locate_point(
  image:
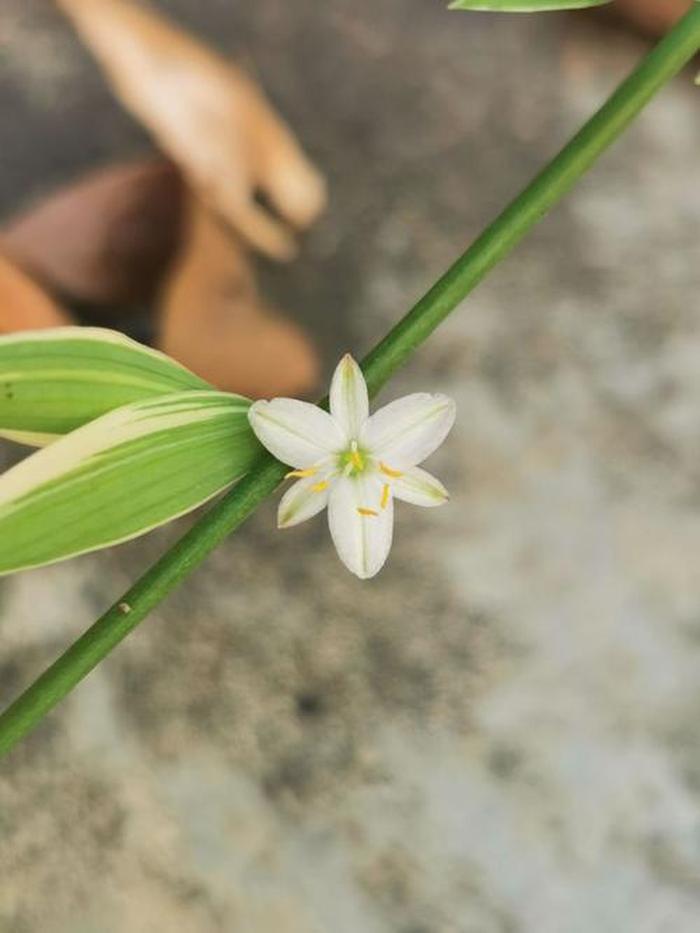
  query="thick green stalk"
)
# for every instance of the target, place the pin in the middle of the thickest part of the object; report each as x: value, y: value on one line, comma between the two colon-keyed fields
x: 669, y: 56
x: 661, y: 64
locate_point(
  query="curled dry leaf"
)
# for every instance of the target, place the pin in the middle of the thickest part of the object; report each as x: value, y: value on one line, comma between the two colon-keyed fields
x: 107, y: 238
x: 23, y: 304
x: 653, y: 17
x: 208, y: 117
x: 213, y: 321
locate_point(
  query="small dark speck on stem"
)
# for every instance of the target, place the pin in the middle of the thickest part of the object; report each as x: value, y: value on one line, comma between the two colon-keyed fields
x: 310, y: 704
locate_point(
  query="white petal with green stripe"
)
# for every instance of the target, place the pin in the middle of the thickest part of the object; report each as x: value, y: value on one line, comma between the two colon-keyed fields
x: 53, y: 381
x: 122, y: 475
x: 524, y: 6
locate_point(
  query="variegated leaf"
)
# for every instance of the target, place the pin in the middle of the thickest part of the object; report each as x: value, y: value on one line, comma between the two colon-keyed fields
x: 122, y: 475
x: 524, y: 6
x: 53, y: 381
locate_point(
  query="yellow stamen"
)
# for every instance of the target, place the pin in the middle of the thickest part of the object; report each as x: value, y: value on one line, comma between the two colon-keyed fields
x: 356, y: 460
x: 385, y: 495
x: 367, y: 511
x: 394, y: 474
x: 319, y: 487
x: 303, y: 474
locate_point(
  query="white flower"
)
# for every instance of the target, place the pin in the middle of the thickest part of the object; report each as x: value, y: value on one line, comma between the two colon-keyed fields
x: 353, y: 463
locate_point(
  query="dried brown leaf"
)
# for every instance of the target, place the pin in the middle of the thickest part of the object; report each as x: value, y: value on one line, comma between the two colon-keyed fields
x: 213, y: 321
x: 107, y: 238
x: 208, y: 117
x: 23, y: 305
x: 653, y: 17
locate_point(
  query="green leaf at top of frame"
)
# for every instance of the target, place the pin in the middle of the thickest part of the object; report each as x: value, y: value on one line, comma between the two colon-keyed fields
x: 121, y: 475
x: 53, y: 381
x: 524, y: 6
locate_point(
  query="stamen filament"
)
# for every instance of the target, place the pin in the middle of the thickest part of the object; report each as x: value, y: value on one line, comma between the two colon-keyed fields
x: 302, y: 474
x: 385, y: 495
x: 394, y: 474
x: 364, y: 511
x: 356, y: 459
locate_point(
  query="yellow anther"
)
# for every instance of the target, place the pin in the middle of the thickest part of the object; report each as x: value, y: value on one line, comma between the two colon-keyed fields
x: 385, y: 495
x: 394, y: 474
x: 302, y: 474
x: 356, y: 460
x: 367, y: 511
x: 319, y: 487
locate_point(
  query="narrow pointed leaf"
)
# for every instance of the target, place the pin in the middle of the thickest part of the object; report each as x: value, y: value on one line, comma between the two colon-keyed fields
x: 524, y: 6
x: 30, y: 438
x: 122, y: 475
x: 53, y: 381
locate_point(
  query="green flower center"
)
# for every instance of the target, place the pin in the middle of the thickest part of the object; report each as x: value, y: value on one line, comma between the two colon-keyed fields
x: 354, y: 460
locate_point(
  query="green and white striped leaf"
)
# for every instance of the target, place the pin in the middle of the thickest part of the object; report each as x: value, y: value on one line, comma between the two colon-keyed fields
x: 524, y: 6
x: 122, y: 475
x: 53, y: 381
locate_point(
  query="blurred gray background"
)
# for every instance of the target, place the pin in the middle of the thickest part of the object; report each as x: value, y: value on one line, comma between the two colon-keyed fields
x: 499, y: 734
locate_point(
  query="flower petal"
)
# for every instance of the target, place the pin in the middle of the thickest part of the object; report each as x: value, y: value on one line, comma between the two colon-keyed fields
x: 304, y: 499
x: 406, y: 431
x: 297, y: 433
x: 419, y: 488
x: 348, y: 396
x: 363, y: 541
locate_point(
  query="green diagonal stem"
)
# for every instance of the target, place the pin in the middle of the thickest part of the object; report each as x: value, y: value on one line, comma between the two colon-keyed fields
x: 661, y: 64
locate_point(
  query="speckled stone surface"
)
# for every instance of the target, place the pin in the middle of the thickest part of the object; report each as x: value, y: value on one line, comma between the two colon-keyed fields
x: 500, y: 733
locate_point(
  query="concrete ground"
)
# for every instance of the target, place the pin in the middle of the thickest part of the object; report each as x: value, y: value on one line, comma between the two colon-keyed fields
x: 499, y: 734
